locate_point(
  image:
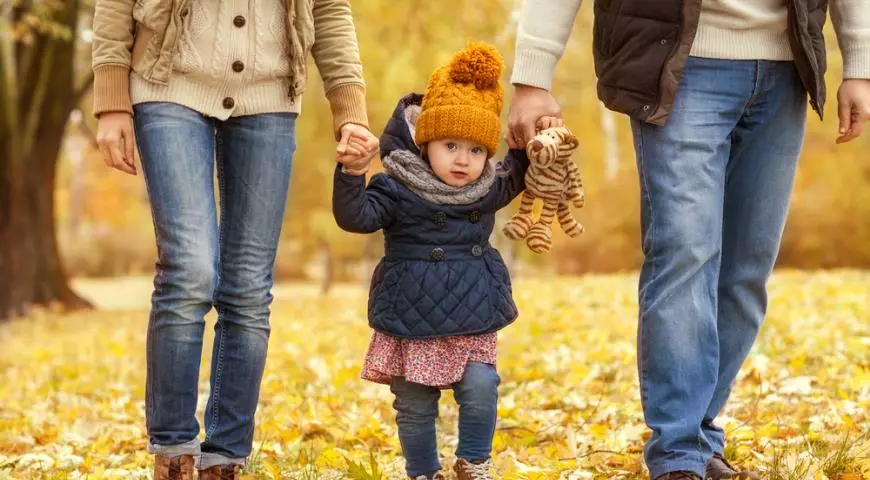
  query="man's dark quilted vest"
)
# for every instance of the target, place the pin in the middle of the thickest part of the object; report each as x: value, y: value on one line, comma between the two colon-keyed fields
x: 641, y: 47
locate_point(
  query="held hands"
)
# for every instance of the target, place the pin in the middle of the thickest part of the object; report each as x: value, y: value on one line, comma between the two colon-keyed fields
x: 854, y: 108
x: 356, y: 149
x: 116, y: 140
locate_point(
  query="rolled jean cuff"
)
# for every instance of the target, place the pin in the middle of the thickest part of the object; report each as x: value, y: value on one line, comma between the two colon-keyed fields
x: 208, y: 460
x: 187, y: 448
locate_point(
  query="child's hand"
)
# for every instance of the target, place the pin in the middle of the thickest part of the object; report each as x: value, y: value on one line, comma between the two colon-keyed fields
x: 546, y: 122
x: 356, y: 164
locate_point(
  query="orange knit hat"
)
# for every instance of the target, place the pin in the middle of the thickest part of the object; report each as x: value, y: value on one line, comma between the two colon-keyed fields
x: 464, y: 99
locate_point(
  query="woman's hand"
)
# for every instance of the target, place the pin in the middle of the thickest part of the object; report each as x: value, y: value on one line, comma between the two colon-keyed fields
x: 117, y: 141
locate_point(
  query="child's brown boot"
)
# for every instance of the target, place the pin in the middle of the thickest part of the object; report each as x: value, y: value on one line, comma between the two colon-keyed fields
x: 466, y: 470
x: 437, y: 476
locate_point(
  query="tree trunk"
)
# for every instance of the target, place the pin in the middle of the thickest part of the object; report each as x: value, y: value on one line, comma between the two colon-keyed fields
x: 50, y: 282
x: 16, y: 272
x: 31, y: 136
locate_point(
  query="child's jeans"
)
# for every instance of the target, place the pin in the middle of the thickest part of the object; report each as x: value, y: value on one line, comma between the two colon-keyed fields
x: 417, y: 408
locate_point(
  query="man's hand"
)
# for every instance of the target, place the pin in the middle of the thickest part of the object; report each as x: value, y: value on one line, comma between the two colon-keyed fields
x: 544, y: 123
x: 528, y: 105
x: 853, y: 100
x: 116, y: 140
x: 356, y: 149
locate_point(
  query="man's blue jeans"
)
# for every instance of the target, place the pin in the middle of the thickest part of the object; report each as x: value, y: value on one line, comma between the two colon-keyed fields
x: 206, y: 262
x: 417, y: 408
x: 715, y: 188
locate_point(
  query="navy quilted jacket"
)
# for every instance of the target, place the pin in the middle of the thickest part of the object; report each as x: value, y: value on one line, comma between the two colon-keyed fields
x: 439, y: 275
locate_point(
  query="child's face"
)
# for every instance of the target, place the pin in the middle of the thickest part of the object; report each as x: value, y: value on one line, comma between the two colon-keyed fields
x: 455, y: 161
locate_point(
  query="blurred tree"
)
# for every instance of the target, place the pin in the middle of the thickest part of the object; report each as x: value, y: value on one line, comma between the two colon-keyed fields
x: 38, y: 91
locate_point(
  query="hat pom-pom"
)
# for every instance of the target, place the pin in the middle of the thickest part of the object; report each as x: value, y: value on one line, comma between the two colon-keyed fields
x: 478, y: 63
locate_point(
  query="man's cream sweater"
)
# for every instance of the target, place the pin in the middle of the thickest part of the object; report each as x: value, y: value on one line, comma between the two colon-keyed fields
x: 728, y: 29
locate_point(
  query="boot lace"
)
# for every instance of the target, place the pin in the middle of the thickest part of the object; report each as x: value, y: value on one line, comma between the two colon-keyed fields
x: 478, y: 471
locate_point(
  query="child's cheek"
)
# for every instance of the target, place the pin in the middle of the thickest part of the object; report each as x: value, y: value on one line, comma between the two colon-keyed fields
x: 478, y: 170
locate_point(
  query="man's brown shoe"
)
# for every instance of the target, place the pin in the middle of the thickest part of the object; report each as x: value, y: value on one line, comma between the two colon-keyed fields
x: 681, y: 475
x: 719, y: 469
x: 221, y: 472
x: 173, y: 468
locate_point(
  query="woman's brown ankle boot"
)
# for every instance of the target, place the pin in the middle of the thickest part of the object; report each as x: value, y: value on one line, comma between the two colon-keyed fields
x: 173, y: 468
x: 221, y: 472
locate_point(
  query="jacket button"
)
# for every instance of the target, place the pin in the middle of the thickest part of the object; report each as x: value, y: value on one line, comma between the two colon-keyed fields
x: 238, y: 66
x: 437, y: 254
x: 239, y: 21
x: 474, y: 216
x: 440, y: 218
x: 476, y: 251
x: 229, y: 102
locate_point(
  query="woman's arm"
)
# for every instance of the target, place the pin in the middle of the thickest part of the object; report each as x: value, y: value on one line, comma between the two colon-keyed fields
x: 336, y: 53
x: 112, y: 44
x: 111, y: 60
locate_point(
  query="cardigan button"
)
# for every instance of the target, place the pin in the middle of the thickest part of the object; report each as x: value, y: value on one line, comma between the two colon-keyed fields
x: 239, y: 21
x: 229, y: 102
x: 437, y: 254
x: 474, y: 216
x: 238, y: 66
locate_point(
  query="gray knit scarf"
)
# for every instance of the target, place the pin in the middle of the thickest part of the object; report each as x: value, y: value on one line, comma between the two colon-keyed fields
x: 416, y: 174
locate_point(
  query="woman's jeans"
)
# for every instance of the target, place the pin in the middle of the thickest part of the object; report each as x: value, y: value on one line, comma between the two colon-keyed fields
x: 204, y: 262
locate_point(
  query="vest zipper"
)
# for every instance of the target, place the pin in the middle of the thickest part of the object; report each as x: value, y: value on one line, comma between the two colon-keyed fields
x: 654, y: 108
x: 794, y: 34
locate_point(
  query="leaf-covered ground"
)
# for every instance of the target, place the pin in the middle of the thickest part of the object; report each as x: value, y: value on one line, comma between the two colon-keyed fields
x: 72, y: 387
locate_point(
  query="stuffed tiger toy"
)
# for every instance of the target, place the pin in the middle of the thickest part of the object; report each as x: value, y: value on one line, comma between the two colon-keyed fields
x: 554, y: 178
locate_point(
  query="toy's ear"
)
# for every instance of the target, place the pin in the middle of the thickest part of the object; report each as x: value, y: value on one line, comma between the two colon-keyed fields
x: 571, y: 139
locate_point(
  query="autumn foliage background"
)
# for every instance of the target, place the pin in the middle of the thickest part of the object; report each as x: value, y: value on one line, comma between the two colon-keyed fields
x: 71, y: 399
x: 107, y: 227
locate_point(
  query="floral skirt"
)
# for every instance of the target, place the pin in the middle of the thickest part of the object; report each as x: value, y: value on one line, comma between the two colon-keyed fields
x: 438, y: 362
